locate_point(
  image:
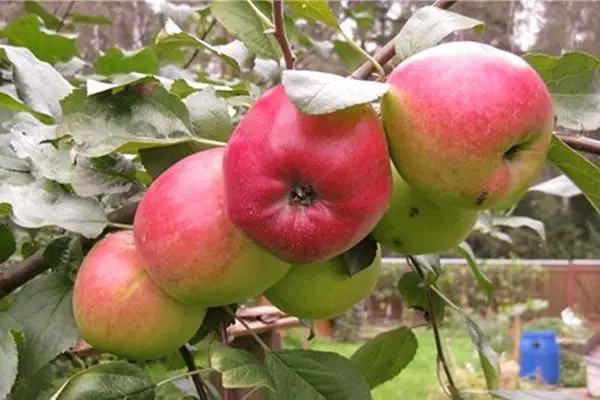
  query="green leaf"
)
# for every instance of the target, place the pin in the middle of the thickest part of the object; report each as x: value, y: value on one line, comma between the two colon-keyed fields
x: 572, y: 79
x: 50, y: 20
x: 35, y: 387
x: 77, y: 18
x: 64, y: 254
x: 314, y: 375
x: 315, y: 10
x: 414, y: 293
x: 172, y: 36
x: 117, y: 61
x: 108, y: 174
x: 30, y: 141
x: 8, y: 245
x: 386, y: 355
x: 157, y: 160
x: 9, y: 359
x: 487, y: 357
x: 108, y: 381
x: 216, y: 317
x: 10, y: 103
x: 39, y: 85
x: 482, y: 280
x: 209, y: 115
x: 522, y: 222
x: 428, y: 26
x: 128, y: 121
x: 48, y: 46
x: 239, y: 368
x: 245, y: 24
x: 13, y: 170
x: 34, y: 207
x: 579, y: 169
x: 360, y: 256
x: 571, y: 72
x: 317, y: 93
x: 351, y: 57
x: 43, y: 309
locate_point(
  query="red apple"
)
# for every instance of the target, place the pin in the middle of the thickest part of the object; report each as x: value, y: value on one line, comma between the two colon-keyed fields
x: 118, y: 309
x: 468, y: 124
x: 189, y: 245
x: 306, y: 187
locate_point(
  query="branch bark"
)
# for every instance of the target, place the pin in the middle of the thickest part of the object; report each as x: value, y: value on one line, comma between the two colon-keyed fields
x: 580, y: 142
x: 387, y: 52
x: 280, y: 35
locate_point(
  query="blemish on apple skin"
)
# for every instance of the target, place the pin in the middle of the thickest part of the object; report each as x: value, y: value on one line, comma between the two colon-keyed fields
x: 414, y: 211
x: 398, y: 243
x: 481, y: 198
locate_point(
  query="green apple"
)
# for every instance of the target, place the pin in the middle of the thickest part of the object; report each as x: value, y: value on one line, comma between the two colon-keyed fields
x: 468, y: 124
x: 415, y: 225
x: 324, y: 289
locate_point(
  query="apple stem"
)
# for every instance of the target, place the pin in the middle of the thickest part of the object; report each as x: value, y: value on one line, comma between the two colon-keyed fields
x: 262, y: 344
x: 191, y: 366
x: 280, y: 35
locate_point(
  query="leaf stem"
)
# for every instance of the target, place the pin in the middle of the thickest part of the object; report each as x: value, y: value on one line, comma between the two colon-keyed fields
x: 371, y: 59
x: 280, y: 35
x: 214, y: 143
x: 197, y: 51
x: 191, y: 366
x: 265, y: 20
x: 254, y: 335
x: 65, y: 15
x: 436, y: 332
x: 119, y: 225
x: 179, y: 376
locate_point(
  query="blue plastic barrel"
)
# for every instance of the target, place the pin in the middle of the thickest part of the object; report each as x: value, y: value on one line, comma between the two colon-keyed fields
x: 539, y: 356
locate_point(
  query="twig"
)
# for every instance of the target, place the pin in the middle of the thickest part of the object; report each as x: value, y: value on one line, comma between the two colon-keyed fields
x: 432, y: 318
x: 280, y: 35
x: 197, y: 51
x: 191, y: 366
x: 254, y: 335
x: 385, y: 54
x: 65, y: 15
x: 580, y: 142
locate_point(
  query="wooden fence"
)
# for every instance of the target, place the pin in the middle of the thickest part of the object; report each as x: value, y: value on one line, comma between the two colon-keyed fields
x: 563, y: 283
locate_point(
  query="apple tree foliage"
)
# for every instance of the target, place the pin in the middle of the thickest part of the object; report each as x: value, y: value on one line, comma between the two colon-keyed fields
x: 80, y: 142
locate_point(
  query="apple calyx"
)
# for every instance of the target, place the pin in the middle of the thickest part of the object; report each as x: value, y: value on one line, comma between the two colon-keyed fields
x: 302, y: 194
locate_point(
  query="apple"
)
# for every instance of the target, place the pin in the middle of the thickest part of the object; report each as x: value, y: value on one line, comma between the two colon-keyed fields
x: 468, y: 124
x: 415, y: 225
x: 118, y: 309
x: 304, y: 187
x: 324, y: 289
x: 190, y: 247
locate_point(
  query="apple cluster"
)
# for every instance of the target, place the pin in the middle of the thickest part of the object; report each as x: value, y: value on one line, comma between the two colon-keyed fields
x: 464, y: 127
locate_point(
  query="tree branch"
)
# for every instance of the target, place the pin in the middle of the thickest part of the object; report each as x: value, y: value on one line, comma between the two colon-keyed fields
x: 280, y: 35
x: 191, y: 366
x: 387, y: 52
x: 580, y: 142
x: 15, y: 275
x: 65, y: 15
x: 197, y: 51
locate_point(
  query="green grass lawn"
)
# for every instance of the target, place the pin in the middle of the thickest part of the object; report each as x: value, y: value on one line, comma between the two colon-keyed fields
x: 419, y: 378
